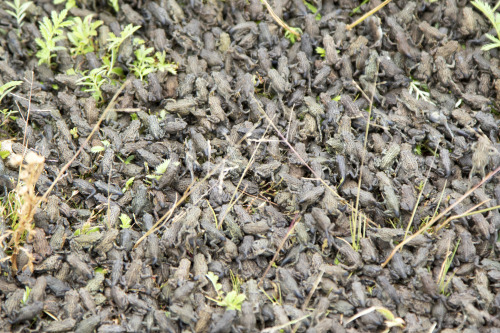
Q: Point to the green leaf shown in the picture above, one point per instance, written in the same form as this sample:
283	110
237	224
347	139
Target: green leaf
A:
311	7
386	313
160	169
8	87
97	149
4	154
125	219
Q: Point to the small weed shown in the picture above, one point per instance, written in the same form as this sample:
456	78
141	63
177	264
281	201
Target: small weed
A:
69	3
443	285
115	5
313	10
26	295
358	9
8	87
52	32
81	35
18	12
357	224
114	43
143	65
321	51
22	209
165	66
494	18
85	230
128	183
126	161
125	220
74	132
160	170
232	300
291	36
93	82
421	91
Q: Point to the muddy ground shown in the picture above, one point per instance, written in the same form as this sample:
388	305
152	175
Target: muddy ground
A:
256	146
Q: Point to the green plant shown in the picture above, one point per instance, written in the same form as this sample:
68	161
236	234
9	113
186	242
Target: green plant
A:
52	32
232	300
357	225
321	51
128	183
19	12
291	36
8	87
420	91
69	3
93	82
26	295
74	132
494	18
143	65
115	5
165	66
125	219
443	285
160	170
81	35
313	10
358	9
86	229
114	43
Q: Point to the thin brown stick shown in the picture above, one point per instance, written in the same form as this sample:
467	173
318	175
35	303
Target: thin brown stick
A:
279	20
367	14
282	244
469	212
96	127
442	214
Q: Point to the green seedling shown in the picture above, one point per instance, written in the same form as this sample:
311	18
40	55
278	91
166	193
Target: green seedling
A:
74	132
26	295
93	82
126	161
128	183
18	12
162	65
292	37
358	9
442	282
321	51
420	91
69	3
115	5
4	154
143	65
81	35
86	229
160	170
114	43
8	87
232	300
98	149
52	32
494	18
313	10
125	219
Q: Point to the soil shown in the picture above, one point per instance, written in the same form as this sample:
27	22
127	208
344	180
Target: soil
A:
262	143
